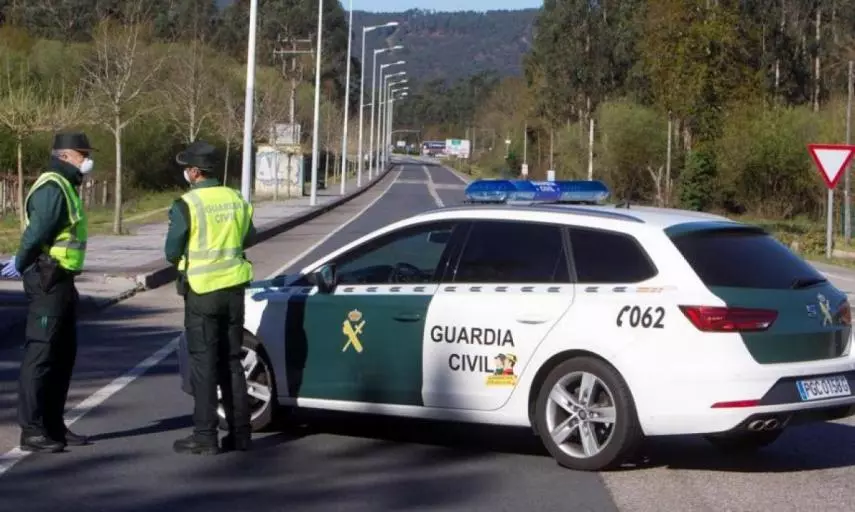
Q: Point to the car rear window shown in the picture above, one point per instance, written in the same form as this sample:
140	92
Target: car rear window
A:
742	258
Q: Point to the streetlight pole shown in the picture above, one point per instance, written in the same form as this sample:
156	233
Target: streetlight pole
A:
386	136
313	195
365	30
392	99
381	99
346	102
371	159
247	109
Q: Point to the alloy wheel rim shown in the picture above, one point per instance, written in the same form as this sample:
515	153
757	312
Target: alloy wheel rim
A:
581	415
258	384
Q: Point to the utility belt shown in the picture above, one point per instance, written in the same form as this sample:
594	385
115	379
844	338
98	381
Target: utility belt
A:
50	271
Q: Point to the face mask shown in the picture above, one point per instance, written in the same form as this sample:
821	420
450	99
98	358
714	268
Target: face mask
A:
187	176
86	166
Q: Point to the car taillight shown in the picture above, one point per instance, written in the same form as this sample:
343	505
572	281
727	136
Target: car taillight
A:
724	319
845	313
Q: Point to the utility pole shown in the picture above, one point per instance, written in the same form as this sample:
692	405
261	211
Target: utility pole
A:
288	50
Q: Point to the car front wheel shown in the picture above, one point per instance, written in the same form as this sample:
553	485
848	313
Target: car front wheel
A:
260	386
585	415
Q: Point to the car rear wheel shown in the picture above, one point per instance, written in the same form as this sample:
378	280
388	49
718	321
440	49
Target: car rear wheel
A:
260	386
585	415
744	441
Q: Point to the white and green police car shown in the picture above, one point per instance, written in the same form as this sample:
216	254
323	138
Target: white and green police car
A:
595	325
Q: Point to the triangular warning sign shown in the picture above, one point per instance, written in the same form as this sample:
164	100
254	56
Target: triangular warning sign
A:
831	160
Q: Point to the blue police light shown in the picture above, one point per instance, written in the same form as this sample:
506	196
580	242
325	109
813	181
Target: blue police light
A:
528	192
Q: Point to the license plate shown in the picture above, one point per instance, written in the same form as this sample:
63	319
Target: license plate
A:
826	387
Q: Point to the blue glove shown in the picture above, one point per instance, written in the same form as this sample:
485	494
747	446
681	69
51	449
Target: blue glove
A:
9	270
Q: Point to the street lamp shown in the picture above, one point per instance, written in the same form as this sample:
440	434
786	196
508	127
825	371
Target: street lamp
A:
373	89
392	98
365	30
247	109
313	195
386	137
382	106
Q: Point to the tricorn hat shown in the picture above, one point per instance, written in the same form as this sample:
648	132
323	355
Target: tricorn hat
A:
76	141
198	154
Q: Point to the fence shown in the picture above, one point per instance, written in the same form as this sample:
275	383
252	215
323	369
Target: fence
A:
92	192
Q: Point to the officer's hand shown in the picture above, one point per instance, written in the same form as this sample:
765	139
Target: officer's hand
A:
9	269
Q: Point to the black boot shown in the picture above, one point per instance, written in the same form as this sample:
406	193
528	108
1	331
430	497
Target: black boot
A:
70	438
191	444
236	443
40	444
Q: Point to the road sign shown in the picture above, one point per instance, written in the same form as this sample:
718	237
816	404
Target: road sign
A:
831	160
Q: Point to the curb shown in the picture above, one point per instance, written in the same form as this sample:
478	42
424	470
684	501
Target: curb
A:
167	274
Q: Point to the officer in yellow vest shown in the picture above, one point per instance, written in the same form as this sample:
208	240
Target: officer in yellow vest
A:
209	227
52	251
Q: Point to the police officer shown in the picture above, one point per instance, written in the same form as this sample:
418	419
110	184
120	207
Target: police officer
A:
52	251
209	227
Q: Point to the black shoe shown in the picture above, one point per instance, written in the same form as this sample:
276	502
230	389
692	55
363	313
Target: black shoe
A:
41	444
242	444
73	439
191	444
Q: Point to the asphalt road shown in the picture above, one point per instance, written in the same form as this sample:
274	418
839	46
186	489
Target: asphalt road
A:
341	462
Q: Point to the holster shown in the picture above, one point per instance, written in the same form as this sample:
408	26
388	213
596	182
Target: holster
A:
181	284
49	271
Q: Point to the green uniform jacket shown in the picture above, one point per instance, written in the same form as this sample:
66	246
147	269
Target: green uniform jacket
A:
179	226
48	215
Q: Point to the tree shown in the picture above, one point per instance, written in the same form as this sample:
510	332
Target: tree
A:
118	74
27	108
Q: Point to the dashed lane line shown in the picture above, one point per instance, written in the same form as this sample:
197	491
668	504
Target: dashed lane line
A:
432	188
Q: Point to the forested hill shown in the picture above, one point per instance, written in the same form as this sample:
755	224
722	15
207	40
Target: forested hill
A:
453	45
449	45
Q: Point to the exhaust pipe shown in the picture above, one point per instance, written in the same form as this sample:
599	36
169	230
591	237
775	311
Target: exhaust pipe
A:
769	424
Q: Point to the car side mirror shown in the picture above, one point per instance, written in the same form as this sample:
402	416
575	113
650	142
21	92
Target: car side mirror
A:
325	278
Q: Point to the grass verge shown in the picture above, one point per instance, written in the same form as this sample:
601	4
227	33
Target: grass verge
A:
143	208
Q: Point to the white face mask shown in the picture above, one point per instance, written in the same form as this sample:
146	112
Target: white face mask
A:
86	166
186	176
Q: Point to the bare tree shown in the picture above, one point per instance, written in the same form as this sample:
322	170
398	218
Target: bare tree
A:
26	109
189	91
119	74
228	117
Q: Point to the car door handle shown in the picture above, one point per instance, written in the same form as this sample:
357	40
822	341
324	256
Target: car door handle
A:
532	320
408	317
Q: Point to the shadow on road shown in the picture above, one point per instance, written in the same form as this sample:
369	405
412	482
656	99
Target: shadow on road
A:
803	448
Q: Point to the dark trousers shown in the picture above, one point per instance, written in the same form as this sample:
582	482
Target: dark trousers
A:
214	330
49	355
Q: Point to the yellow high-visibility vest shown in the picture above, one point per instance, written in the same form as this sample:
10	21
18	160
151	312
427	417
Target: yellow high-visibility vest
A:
69	247
219	221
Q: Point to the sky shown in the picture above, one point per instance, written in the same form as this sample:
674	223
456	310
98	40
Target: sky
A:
441	5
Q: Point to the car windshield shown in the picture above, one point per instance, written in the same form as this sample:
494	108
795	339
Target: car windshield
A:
744	258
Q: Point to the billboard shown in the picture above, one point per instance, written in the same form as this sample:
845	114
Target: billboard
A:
457	147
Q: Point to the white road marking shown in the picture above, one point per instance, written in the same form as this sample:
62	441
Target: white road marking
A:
15	455
12	457
432	188
333	232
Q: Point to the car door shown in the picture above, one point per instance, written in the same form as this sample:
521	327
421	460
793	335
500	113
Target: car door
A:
510	286
362	342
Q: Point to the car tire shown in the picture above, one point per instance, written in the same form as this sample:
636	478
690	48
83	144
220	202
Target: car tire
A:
263	415
744	442
617	439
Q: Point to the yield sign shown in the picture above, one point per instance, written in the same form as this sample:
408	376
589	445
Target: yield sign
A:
831	159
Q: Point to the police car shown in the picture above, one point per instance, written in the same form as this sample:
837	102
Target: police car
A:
596	325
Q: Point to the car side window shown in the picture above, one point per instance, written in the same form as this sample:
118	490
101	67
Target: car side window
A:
409	255
513	252
601	256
